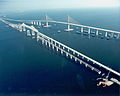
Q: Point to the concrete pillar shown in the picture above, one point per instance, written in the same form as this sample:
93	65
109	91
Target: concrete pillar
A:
86	65
33	33
80	61
112	35
47	24
68	50
20	29
28	33
37	38
52	42
81	29
34	22
39	23
46	43
75	59
118	35
43	41
82	57
24	29
92	68
31	22
61	51
71	56
68	26
49	44
53	47
59	45
66	54
89	31
106	34
97	32
99	72
57	48
73	52
55	43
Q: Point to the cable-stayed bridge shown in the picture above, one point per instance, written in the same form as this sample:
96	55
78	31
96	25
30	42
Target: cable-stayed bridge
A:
78	57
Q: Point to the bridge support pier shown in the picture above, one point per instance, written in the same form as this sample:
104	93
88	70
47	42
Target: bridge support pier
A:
82	29
99	72
68	25
118	36
57	48
71	56
73	52
80	61
66	54
40	24
112	35
61	52
55	43
42	41
32	22
86	65
68	28
88	60
82	57
59	45
49	44
97	32
33	34
106	34
53	47
68	50
89	31
37	23
23	29
75	59
28	33
46	43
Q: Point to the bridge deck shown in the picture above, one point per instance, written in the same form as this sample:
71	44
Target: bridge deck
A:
61	22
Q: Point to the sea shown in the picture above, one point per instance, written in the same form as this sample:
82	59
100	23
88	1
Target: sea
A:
29	68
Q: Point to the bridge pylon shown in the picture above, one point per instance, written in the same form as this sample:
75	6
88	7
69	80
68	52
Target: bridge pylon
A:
68	25
47	19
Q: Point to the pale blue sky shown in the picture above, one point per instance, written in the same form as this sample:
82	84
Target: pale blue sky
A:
51	4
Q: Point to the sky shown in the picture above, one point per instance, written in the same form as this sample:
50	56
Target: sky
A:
23	5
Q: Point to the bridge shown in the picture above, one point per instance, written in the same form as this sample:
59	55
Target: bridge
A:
83	29
70	53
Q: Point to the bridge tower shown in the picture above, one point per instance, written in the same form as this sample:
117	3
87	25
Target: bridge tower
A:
68	25
47	21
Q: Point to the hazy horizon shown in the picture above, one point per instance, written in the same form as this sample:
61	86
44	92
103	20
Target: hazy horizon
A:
27	5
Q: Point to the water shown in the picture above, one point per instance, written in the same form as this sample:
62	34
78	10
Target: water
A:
28	67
